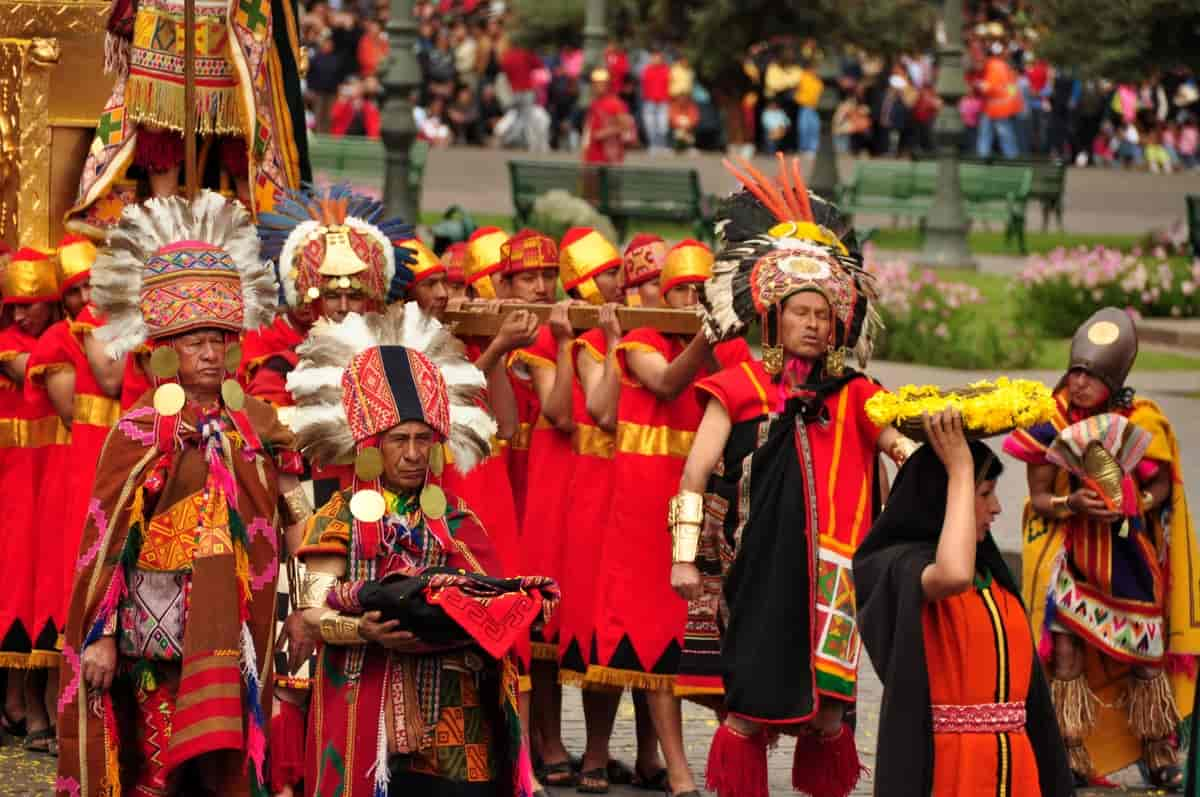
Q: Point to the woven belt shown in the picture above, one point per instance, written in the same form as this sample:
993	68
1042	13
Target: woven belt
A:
979	718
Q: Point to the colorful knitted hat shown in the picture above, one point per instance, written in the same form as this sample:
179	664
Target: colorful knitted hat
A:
76	256
484	259
688	261
31	277
453	259
528	250
174	266
584	254
334	239
643	259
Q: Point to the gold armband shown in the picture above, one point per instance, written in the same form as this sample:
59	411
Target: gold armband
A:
901	449
685	516
341	629
298	507
1060	506
314	589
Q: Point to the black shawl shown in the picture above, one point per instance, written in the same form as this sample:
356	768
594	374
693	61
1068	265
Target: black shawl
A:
887	578
766	650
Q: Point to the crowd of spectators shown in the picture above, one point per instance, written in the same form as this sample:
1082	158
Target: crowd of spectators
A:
479	87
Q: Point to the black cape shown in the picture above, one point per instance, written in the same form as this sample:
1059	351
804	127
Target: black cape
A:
887	579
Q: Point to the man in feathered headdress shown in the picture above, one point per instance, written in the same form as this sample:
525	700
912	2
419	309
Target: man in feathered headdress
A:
404	703
1111	558
167	657
796	421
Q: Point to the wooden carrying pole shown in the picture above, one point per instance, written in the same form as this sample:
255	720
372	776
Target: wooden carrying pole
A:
483	319
191	182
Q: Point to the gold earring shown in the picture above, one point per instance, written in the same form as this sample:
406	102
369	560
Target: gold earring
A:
835	362
772	359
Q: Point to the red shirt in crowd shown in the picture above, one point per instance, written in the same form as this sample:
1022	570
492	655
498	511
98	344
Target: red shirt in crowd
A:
519	65
343	114
655	81
371	52
1039	74
617	64
604	130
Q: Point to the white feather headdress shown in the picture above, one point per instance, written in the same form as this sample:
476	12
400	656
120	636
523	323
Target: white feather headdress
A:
320	421
119	277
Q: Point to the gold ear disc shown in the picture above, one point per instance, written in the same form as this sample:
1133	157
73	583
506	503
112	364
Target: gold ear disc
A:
437	459
314	293
233	357
368	465
234	396
164	362
433	502
169	399
367	506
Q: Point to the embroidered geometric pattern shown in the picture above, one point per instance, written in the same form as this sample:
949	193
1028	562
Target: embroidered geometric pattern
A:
372	407
1123	632
431	390
838	644
153	615
462	738
979	718
174	306
169	540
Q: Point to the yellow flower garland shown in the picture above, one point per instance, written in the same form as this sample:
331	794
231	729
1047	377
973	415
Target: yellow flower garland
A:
987	407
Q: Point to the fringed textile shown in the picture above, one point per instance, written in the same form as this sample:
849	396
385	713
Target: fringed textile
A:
826	766
737	764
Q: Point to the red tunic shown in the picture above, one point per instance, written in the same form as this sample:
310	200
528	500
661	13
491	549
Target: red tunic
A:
23	435
268	354
488	489
59	525
978	650
549	469
844	468
590	491
639	626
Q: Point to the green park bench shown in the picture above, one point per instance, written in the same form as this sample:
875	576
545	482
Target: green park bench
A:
1049	181
622	193
1193	216
359	158
991	193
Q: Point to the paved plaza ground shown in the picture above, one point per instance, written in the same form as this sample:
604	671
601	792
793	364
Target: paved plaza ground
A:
1098	201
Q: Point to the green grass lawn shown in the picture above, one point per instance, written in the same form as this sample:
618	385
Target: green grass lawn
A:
991	242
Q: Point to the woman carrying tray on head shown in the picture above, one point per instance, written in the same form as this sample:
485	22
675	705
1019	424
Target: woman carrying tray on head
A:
930	564
788	458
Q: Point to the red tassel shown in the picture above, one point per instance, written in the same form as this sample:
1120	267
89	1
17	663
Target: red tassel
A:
737	764
287	746
826	766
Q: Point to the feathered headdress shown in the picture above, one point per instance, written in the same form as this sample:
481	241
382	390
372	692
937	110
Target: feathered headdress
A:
334	238
359	378
172	266
773	246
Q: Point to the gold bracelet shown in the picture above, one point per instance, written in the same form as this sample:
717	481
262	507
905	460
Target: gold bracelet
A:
341	629
314	589
901	449
1060	506
298	507
685	516
1147	500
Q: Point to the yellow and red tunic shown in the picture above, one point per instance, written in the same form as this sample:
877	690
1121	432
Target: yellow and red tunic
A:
640	625
27	429
979	653
268	355
550	459
591	492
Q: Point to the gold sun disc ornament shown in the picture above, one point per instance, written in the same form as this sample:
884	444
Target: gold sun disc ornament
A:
233	395
164	362
433	502
233	357
368	464
169	399
1103	333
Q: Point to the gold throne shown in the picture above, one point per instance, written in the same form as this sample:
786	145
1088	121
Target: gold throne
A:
52	90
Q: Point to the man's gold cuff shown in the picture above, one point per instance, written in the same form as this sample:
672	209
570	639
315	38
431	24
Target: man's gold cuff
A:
1060	506
298	507
314	589
341	629
685	517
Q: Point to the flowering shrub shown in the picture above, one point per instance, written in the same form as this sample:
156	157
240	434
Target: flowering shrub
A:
936	322
1062	289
